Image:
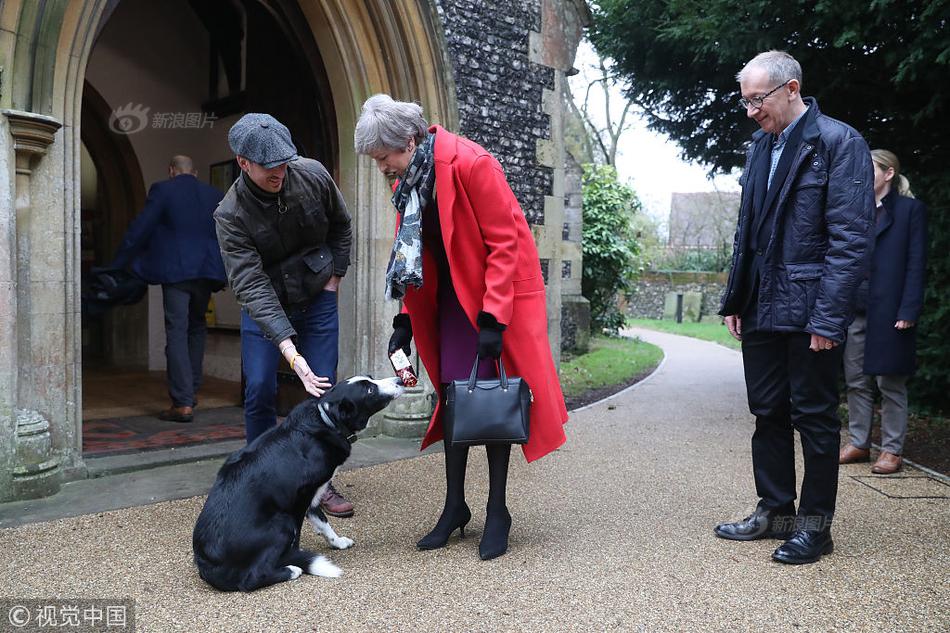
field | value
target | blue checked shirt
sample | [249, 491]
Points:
[778, 145]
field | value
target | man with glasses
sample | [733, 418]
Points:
[804, 221]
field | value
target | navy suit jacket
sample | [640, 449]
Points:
[173, 239]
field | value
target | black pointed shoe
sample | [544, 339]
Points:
[494, 541]
[455, 519]
[805, 546]
[763, 523]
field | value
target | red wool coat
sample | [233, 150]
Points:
[495, 267]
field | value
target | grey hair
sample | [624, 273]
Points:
[779, 65]
[388, 124]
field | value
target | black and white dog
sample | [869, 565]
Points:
[248, 533]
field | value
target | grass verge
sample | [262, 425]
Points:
[714, 332]
[611, 365]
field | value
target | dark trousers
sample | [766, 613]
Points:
[318, 328]
[793, 388]
[185, 304]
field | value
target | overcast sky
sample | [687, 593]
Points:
[646, 160]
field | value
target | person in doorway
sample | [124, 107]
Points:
[882, 341]
[467, 268]
[172, 243]
[285, 238]
[804, 225]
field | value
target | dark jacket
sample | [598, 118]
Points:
[813, 259]
[280, 252]
[896, 286]
[173, 238]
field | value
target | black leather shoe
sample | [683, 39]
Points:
[763, 523]
[805, 546]
[494, 541]
[452, 519]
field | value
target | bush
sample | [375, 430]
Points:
[928, 389]
[609, 246]
[704, 260]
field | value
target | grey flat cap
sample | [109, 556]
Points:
[262, 139]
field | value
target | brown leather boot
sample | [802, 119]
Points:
[887, 464]
[177, 414]
[335, 504]
[851, 454]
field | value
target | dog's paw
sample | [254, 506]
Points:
[294, 572]
[341, 542]
[321, 566]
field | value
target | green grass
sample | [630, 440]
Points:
[714, 332]
[610, 361]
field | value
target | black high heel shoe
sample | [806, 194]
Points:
[494, 541]
[448, 523]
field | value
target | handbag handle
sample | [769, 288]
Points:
[501, 374]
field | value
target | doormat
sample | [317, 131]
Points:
[115, 436]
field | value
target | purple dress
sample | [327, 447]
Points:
[458, 340]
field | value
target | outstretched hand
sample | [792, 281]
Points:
[402, 334]
[314, 384]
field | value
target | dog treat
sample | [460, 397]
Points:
[403, 368]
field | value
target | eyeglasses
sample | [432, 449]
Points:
[756, 102]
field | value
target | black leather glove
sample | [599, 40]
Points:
[402, 333]
[489, 335]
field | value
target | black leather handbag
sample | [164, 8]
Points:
[493, 411]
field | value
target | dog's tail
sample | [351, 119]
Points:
[313, 564]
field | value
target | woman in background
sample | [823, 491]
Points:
[882, 342]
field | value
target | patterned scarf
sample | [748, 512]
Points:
[412, 195]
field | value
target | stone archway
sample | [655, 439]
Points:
[372, 46]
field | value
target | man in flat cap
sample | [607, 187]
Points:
[285, 239]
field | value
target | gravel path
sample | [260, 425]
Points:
[613, 532]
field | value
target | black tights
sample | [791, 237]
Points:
[456, 461]
[456, 514]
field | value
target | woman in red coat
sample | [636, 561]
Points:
[466, 267]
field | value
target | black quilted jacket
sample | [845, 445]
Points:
[814, 260]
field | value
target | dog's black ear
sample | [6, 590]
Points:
[346, 408]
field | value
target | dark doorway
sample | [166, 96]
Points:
[110, 168]
[175, 62]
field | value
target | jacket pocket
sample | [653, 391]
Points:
[804, 272]
[316, 272]
[801, 291]
[532, 284]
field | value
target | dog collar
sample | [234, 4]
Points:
[351, 437]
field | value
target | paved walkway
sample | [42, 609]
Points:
[613, 532]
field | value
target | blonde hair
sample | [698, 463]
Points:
[888, 160]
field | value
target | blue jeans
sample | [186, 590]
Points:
[318, 329]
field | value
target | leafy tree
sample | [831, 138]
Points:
[609, 246]
[879, 65]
